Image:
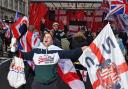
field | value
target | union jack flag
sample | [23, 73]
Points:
[19, 27]
[29, 41]
[118, 7]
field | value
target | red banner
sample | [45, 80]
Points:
[37, 11]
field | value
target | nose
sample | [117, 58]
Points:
[46, 38]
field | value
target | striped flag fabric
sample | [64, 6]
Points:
[117, 7]
[84, 75]
[68, 73]
[105, 63]
[19, 27]
[29, 41]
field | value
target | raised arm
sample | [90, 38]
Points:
[66, 29]
[71, 54]
[42, 26]
[65, 26]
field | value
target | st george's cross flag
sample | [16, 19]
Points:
[105, 63]
[67, 72]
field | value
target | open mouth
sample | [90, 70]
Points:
[46, 41]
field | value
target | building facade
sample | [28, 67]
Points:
[8, 8]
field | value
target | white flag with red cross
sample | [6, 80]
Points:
[105, 63]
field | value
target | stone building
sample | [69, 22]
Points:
[8, 8]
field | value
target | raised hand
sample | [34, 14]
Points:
[43, 20]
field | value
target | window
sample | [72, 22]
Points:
[16, 4]
[0, 2]
[24, 7]
[20, 6]
[5, 2]
[11, 4]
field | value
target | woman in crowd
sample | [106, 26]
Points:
[46, 57]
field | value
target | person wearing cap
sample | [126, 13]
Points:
[57, 33]
[46, 58]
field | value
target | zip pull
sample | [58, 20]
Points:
[46, 52]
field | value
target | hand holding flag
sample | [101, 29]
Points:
[105, 63]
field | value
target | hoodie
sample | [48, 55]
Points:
[46, 60]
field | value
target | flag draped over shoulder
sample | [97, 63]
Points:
[105, 63]
[18, 28]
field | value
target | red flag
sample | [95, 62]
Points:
[80, 15]
[37, 11]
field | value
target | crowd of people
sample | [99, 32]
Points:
[60, 39]
[5, 37]
[79, 39]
